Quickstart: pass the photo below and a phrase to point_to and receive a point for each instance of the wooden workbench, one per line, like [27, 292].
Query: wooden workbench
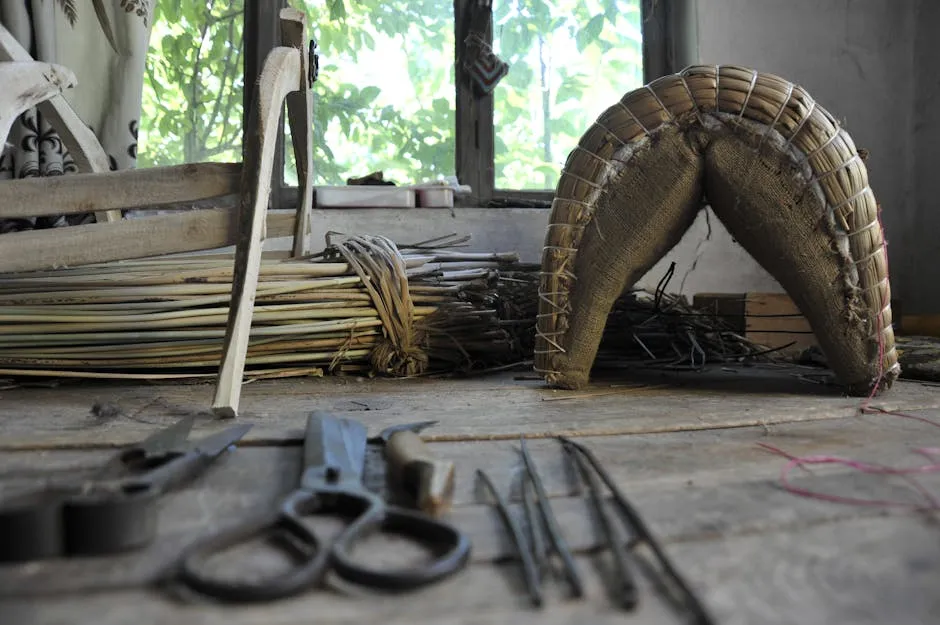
[684, 449]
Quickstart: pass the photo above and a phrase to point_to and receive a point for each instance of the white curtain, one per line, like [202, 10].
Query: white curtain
[105, 43]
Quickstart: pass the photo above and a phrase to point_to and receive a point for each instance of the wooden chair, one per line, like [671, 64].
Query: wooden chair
[284, 77]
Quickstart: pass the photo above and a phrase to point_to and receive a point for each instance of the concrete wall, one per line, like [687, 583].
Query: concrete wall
[917, 263]
[856, 58]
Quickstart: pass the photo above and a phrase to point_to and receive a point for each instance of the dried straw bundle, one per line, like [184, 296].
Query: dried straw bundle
[777, 169]
[361, 305]
[645, 329]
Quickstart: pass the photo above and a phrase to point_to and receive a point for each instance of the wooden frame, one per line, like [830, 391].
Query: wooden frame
[669, 44]
[283, 79]
[78, 138]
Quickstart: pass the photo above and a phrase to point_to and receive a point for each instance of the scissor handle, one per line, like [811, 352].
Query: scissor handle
[452, 548]
[286, 522]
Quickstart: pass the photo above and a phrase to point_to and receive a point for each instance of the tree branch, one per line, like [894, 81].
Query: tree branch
[189, 144]
[230, 95]
[226, 73]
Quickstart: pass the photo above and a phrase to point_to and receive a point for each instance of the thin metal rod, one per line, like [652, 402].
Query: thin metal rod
[554, 532]
[627, 592]
[532, 581]
[536, 529]
[643, 534]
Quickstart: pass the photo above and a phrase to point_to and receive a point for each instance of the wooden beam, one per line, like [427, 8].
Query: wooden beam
[78, 138]
[34, 250]
[279, 77]
[262, 35]
[475, 147]
[300, 118]
[129, 188]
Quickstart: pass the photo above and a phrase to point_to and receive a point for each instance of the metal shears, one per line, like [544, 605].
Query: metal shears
[331, 483]
[115, 510]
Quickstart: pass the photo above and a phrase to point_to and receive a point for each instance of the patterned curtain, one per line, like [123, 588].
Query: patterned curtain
[105, 43]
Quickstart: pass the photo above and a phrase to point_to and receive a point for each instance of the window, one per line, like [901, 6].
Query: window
[569, 60]
[385, 97]
[394, 92]
[191, 109]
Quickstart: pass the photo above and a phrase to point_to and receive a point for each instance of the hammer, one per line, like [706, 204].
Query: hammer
[427, 480]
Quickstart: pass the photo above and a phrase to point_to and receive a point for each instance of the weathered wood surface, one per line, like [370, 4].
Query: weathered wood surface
[689, 461]
[25, 84]
[300, 118]
[862, 571]
[36, 250]
[114, 190]
[754, 552]
[279, 77]
[490, 407]
[78, 138]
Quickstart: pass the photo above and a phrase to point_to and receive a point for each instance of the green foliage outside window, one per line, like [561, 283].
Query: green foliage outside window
[193, 83]
[385, 98]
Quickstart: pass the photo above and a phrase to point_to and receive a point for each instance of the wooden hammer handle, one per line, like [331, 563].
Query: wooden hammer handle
[428, 480]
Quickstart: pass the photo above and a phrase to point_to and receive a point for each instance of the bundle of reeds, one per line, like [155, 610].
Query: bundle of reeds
[361, 305]
[645, 328]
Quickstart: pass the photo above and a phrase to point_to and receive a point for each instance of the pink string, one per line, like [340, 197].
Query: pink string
[931, 453]
[865, 467]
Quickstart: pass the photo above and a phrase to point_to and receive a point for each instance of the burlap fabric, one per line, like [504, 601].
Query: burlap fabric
[779, 172]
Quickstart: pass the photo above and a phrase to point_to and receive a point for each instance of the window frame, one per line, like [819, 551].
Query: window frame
[669, 44]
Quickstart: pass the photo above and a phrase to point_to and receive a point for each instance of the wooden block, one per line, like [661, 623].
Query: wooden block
[728, 306]
[921, 325]
[364, 196]
[129, 188]
[773, 313]
[33, 250]
[768, 319]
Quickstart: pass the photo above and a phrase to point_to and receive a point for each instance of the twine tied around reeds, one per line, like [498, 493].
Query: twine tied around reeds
[378, 263]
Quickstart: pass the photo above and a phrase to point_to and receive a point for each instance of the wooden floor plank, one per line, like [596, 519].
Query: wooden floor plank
[688, 486]
[858, 571]
[687, 460]
[491, 408]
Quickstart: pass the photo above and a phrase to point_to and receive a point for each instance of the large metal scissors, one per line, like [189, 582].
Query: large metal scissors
[331, 483]
[115, 510]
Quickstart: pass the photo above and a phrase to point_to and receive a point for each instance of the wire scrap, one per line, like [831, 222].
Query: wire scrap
[628, 594]
[642, 532]
[536, 536]
[532, 576]
[554, 531]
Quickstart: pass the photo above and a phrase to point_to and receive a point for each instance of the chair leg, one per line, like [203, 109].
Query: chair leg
[279, 77]
[26, 84]
[78, 138]
[300, 118]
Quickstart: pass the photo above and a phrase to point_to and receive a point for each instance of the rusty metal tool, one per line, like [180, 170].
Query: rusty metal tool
[426, 479]
[331, 484]
[557, 541]
[116, 510]
[529, 565]
[642, 532]
[627, 593]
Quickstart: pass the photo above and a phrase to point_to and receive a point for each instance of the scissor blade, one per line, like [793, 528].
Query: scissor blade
[214, 444]
[169, 438]
[336, 444]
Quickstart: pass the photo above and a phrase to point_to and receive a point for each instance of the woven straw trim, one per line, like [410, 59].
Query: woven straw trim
[700, 95]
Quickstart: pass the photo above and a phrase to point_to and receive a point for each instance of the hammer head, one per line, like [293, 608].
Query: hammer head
[387, 433]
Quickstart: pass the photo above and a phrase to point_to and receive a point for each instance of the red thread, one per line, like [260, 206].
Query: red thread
[931, 453]
[865, 467]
